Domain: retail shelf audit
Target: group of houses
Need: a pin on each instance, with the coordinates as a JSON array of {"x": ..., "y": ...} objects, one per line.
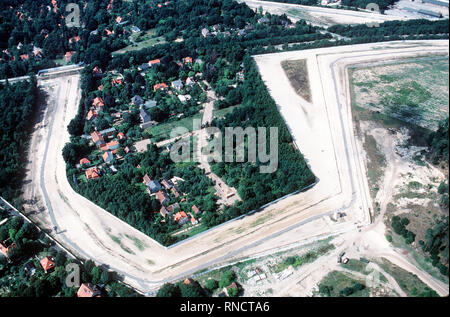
[
  {"x": 109, "y": 151},
  {"x": 159, "y": 190}
]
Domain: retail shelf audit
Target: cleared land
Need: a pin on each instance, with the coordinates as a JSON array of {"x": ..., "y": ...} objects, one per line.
[
  {"x": 320, "y": 16},
  {"x": 302, "y": 218},
  {"x": 297, "y": 72}
]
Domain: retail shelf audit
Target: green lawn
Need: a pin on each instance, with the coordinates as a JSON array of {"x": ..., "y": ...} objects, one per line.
[
  {"x": 162, "y": 131},
  {"x": 142, "y": 40}
]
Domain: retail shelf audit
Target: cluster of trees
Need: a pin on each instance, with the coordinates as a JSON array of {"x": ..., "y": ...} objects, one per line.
[
  {"x": 30, "y": 246},
  {"x": 194, "y": 289},
  {"x": 255, "y": 188},
  {"x": 180, "y": 289},
  {"x": 349, "y": 290},
  {"x": 399, "y": 226},
  {"x": 123, "y": 195},
  {"x": 436, "y": 244},
  {"x": 17, "y": 105},
  {"x": 438, "y": 142},
  {"x": 390, "y": 29}
]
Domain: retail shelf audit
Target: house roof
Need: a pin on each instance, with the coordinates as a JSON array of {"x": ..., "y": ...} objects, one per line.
[
  {"x": 47, "y": 263},
  {"x": 92, "y": 173},
  {"x": 91, "y": 114},
  {"x": 187, "y": 59},
  {"x": 87, "y": 290},
  {"x": 195, "y": 209},
  {"x": 179, "y": 215},
  {"x": 121, "y": 135},
  {"x": 112, "y": 144},
  {"x": 154, "y": 62},
  {"x": 161, "y": 196},
  {"x": 144, "y": 116},
  {"x": 84, "y": 161},
  {"x": 147, "y": 179},
  {"x": 107, "y": 156},
  {"x": 160, "y": 86},
  {"x": 96, "y": 136},
  {"x": 167, "y": 184},
  {"x": 163, "y": 211},
  {"x": 98, "y": 102}
]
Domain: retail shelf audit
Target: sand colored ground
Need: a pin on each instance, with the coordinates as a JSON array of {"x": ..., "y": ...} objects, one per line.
[
  {"x": 323, "y": 132},
  {"x": 320, "y": 16}
]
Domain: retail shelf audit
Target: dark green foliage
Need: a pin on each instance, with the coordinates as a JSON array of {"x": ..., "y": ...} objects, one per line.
[
  {"x": 436, "y": 244},
  {"x": 399, "y": 226},
  {"x": 438, "y": 142},
  {"x": 211, "y": 285},
  {"x": 227, "y": 278},
  {"x": 169, "y": 290},
  {"x": 349, "y": 290},
  {"x": 17, "y": 104}
]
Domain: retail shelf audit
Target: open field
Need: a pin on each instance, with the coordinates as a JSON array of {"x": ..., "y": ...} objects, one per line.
[
  {"x": 334, "y": 157},
  {"x": 320, "y": 16},
  {"x": 141, "y": 40},
  {"x": 414, "y": 91},
  {"x": 403, "y": 183},
  {"x": 297, "y": 72}
]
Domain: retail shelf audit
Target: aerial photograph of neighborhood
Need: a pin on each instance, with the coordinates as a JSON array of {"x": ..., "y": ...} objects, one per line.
[{"x": 227, "y": 149}]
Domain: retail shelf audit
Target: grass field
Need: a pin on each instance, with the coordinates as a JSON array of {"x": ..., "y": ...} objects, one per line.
[
  {"x": 141, "y": 40},
  {"x": 413, "y": 91},
  {"x": 337, "y": 281},
  {"x": 162, "y": 131},
  {"x": 297, "y": 72},
  {"x": 409, "y": 282}
]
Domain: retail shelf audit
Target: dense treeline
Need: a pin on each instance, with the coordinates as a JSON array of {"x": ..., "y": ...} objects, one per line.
[
  {"x": 393, "y": 28},
  {"x": 17, "y": 104},
  {"x": 382, "y": 4},
  {"x": 438, "y": 142},
  {"x": 31, "y": 245},
  {"x": 436, "y": 244},
  {"x": 255, "y": 188}
]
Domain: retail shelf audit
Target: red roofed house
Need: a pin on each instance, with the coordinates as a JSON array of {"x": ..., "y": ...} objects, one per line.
[
  {"x": 118, "y": 19},
  {"x": 88, "y": 290},
  {"x": 107, "y": 156},
  {"x": 175, "y": 192},
  {"x": 154, "y": 62},
  {"x": 162, "y": 86},
  {"x": 181, "y": 217},
  {"x": 108, "y": 32},
  {"x": 121, "y": 135},
  {"x": 195, "y": 209},
  {"x": 47, "y": 264},
  {"x": 147, "y": 179},
  {"x": 113, "y": 145},
  {"x": 187, "y": 60},
  {"x": 91, "y": 114},
  {"x": 92, "y": 173},
  {"x": 24, "y": 57},
  {"x": 84, "y": 161},
  {"x": 193, "y": 220},
  {"x": 97, "y": 138},
  {"x": 98, "y": 102},
  {"x": 4, "y": 248},
  {"x": 97, "y": 71},
  {"x": 162, "y": 197}
]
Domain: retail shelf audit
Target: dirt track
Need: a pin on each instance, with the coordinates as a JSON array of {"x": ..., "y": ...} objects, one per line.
[
  {"x": 319, "y": 15},
  {"x": 333, "y": 156}
]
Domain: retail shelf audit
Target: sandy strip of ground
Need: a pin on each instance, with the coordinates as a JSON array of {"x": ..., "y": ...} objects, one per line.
[
  {"x": 90, "y": 230},
  {"x": 320, "y": 15}
]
